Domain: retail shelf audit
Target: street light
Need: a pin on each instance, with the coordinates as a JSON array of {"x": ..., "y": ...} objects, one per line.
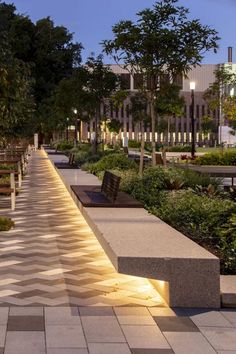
[
  {"x": 192, "y": 88},
  {"x": 76, "y": 127},
  {"x": 67, "y": 128}
]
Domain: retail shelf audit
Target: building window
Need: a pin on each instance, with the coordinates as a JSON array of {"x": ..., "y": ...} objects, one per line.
[
  {"x": 185, "y": 110},
  {"x": 185, "y": 127},
  {"x": 138, "y": 81},
  {"x": 125, "y": 81},
  {"x": 88, "y": 127},
  {"x": 127, "y": 126}
]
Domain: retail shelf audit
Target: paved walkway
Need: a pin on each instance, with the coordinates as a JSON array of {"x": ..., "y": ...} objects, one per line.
[{"x": 60, "y": 294}]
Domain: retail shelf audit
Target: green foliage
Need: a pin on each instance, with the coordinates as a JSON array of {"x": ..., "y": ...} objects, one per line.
[
  {"x": 134, "y": 144},
  {"x": 202, "y": 219},
  {"x": 112, "y": 161},
  {"x": 179, "y": 148},
  {"x": 228, "y": 245},
  {"x": 114, "y": 126},
  {"x": 7, "y": 167},
  {"x": 64, "y": 145},
  {"x": 228, "y": 158},
  {"x": 5, "y": 223},
  {"x": 193, "y": 180}
]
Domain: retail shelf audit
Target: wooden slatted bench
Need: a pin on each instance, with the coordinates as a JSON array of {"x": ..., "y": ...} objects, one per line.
[
  {"x": 70, "y": 164},
  {"x": 9, "y": 189},
  {"x": 18, "y": 171},
  {"x": 106, "y": 195}
]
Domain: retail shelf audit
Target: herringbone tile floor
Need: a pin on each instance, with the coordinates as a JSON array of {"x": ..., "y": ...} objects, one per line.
[{"x": 52, "y": 258}]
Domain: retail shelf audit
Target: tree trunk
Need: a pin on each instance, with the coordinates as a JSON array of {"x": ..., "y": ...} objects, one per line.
[
  {"x": 153, "y": 124},
  {"x": 142, "y": 150}
]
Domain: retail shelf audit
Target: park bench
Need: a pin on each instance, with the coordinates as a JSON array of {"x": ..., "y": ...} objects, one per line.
[
  {"x": 20, "y": 168},
  {"x": 70, "y": 164},
  {"x": 9, "y": 189},
  {"x": 106, "y": 195}
]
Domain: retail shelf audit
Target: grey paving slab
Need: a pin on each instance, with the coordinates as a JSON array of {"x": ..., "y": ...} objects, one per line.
[
  {"x": 230, "y": 315},
  {"x": 102, "y": 329},
  {"x": 4, "y": 311},
  {"x": 189, "y": 342},
  {"x": 221, "y": 338},
  {"x": 66, "y": 351},
  {"x": 108, "y": 348},
  {"x": 152, "y": 351},
  {"x": 175, "y": 324},
  {"x": 208, "y": 318},
  {"x": 25, "y": 343},
  {"x": 62, "y": 316},
  {"x": 149, "y": 337},
  {"x": 166, "y": 311},
  {"x": 25, "y": 323},
  {"x": 26, "y": 311},
  {"x": 2, "y": 335},
  {"x": 227, "y": 352},
  {"x": 96, "y": 311},
  {"x": 134, "y": 315},
  {"x": 65, "y": 336}
]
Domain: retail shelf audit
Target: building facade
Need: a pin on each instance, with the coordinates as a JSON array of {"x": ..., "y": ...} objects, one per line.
[{"x": 180, "y": 132}]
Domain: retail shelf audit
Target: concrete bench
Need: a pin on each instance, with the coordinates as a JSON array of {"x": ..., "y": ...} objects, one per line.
[{"x": 140, "y": 244}]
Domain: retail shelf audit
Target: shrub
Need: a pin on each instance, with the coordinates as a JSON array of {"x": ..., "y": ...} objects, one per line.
[
  {"x": 179, "y": 148},
  {"x": 5, "y": 223},
  {"x": 64, "y": 145},
  {"x": 7, "y": 167},
  {"x": 228, "y": 158},
  {"x": 134, "y": 144},
  {"x": 193, "y": 179},
  {"x": 228, "y": 245},
  {"x": 146, "y": 189},
  {"x": 111, "y": 161},
  {"x": 202, "y": 219}
]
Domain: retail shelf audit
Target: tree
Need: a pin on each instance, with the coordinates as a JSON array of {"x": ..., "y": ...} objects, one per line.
[
  {"x": 207, "y": 126},
  {"x": 139, "y": 107},
  {"x": 219, "y": 96},
  {"x": 168, "y": 104},
  {"x": 161, "y": 41},
  {"x": 102, "y": 82}
]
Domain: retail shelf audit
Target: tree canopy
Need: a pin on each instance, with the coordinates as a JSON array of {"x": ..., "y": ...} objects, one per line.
[{"x": 161, "y": 41}]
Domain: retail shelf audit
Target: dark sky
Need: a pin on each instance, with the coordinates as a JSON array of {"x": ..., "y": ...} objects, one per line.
[{"x": 91, "y": 20}]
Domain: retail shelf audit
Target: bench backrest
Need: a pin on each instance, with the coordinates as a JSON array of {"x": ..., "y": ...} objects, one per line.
[
  {"x": 110, "y": 185},
  {"x": 71, "y": 159}
]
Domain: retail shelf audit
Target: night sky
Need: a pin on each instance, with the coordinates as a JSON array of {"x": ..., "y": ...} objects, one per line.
[{"x": 91, "y": 20}]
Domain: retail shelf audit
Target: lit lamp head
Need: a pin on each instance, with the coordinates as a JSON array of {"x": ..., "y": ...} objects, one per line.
[
  {"x": 231, "y": 92},
  {"x": 192, "y": 85},
  {"x": 75, "y": 111}
]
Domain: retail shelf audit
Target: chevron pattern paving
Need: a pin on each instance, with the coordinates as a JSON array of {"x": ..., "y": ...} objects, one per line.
[{"x": 52, "y": 258}]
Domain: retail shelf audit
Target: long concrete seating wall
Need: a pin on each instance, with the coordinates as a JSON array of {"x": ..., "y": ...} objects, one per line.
[{"x": 140, "y": 244}]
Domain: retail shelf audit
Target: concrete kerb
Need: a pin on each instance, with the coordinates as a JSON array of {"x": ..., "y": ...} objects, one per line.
[{"x": 137, "y": 243}]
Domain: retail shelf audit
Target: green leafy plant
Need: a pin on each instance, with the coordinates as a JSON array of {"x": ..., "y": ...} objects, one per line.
[
  {"x": 227, "y": 158},
  {"x": 5, "y": 223},
  {"x": 111, "y": 161}
]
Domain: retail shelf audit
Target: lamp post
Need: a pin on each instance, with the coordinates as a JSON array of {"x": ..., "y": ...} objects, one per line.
[
  {"x": 193, "y": 150},
  {"x": 76, "y": 127},
  {"x": 67, "y": 128}
]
